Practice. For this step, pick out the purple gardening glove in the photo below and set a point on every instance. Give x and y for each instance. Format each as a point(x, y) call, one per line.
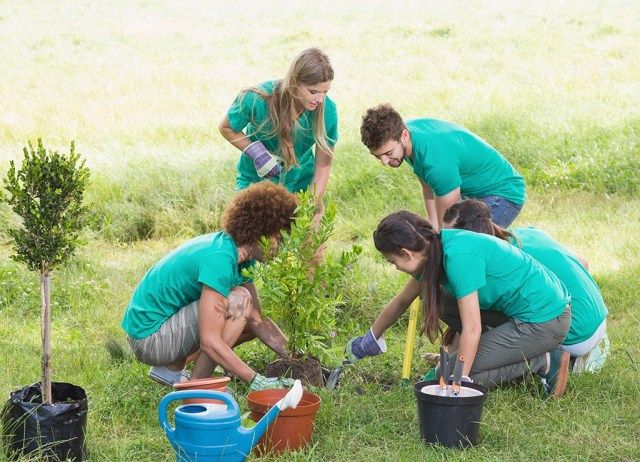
point(366, 345)
point(266, 165)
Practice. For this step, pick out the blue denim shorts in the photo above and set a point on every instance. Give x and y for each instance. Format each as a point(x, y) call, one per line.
point(503, 211)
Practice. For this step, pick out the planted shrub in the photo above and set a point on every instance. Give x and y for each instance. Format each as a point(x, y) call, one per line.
point(298, 292)
point(46, 193)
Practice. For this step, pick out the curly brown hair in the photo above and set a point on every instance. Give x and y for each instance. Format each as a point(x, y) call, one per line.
point(263, 209)
point(379, 125)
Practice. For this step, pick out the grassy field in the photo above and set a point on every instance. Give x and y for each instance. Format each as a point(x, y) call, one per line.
point(140, 86)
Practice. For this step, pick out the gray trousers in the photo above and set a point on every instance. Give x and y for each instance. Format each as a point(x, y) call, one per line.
point(509, 348)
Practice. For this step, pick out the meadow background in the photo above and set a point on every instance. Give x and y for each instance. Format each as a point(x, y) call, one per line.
point(141, 86)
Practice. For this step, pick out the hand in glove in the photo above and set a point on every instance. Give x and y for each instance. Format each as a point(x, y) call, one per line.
point(260, 382)
point(366, 345)
point(266, 164)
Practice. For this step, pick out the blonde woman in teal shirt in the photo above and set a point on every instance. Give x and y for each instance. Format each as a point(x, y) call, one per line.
point(277, 124)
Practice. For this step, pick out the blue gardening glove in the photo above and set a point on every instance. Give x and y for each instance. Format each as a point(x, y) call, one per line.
point(266, 164)
point(366, 345)
point(260, 382)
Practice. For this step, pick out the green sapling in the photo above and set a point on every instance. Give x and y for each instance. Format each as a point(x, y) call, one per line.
point(46, 193)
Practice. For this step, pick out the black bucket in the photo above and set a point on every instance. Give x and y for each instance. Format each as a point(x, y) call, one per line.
point(55, 431)
point(451, 421)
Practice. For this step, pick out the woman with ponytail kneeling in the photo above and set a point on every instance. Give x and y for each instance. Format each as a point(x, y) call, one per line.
point(482, 273)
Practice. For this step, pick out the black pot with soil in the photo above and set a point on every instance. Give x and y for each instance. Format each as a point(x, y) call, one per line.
point(49, 431)
point(307, 369)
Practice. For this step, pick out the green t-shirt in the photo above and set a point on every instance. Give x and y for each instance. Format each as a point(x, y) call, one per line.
point(587, 306)
point(249, 112)
point(176, 280)
point(447, 156)
point(507, 279)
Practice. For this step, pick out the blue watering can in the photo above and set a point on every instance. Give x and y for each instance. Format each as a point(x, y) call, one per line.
point(213, 432)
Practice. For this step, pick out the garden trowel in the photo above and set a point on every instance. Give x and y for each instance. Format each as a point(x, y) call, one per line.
point(332, 381)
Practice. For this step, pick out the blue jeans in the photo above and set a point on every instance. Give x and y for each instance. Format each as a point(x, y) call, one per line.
point(503, 211)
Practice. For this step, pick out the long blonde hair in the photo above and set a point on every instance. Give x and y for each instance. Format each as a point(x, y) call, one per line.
point(310, 67)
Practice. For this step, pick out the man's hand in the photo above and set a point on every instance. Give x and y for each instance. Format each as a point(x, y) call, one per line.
point(266, 164)
point(363, 346)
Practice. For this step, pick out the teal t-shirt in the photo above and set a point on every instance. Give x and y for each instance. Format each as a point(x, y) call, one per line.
point(447, 156)
point(587, 306)
point(176, 280)
point(249, 112)
point(507, 279)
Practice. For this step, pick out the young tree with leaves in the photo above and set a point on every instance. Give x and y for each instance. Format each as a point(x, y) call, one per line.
point(46, 192)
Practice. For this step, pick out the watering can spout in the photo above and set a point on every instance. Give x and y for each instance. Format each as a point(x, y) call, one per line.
point(253, 435)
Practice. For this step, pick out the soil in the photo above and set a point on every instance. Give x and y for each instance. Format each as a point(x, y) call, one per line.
point(308, 370)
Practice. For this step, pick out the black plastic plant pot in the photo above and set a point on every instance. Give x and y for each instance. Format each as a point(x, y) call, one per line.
point(55, 431)
point(451, 421)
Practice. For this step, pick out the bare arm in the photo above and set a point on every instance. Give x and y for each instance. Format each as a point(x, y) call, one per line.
point(321, 171)
point(396, 307)
point(211, 319)
point(446, 201)
point(237, 139)
point(264, 328)
point(471, 329)
point(430, 205)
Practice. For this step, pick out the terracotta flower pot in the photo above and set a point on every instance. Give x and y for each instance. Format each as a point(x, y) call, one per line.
point(213, 383)
point(292, 429)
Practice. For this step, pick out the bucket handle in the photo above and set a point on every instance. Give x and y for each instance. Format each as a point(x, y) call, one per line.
point(186, 394)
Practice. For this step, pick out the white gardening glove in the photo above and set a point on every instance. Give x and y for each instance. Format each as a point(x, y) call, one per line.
point(260, 382)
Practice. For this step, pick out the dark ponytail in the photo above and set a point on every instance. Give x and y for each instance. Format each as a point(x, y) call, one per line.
point(474, 215)
point(406, 230)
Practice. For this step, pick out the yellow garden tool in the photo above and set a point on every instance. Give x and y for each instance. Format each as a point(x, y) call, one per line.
point(411, 340)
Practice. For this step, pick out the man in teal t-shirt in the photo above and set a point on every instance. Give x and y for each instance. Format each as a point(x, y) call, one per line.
point(249, 112)
point(195, 304)
point(450, 162)
point(176, 281)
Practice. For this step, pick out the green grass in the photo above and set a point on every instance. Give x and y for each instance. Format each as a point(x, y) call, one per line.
point(141, 87)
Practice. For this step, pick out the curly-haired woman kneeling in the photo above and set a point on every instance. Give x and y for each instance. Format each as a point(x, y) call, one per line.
point(195, 302)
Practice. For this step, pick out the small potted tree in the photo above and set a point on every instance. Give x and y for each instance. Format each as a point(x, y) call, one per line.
point(46, 193)
point(302, 296)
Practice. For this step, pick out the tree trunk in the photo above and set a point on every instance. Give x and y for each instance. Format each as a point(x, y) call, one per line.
point(45, 324)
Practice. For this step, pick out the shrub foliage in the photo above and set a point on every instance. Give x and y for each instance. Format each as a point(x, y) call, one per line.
point(300, 293)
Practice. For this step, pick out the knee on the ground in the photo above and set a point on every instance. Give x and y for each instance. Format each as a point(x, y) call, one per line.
point(240, 303)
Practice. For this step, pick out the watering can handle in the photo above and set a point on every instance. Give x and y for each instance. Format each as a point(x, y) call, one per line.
point(176, 395)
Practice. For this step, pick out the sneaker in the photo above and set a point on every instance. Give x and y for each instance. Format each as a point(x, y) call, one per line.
point(165, 376)
point(555, 380)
